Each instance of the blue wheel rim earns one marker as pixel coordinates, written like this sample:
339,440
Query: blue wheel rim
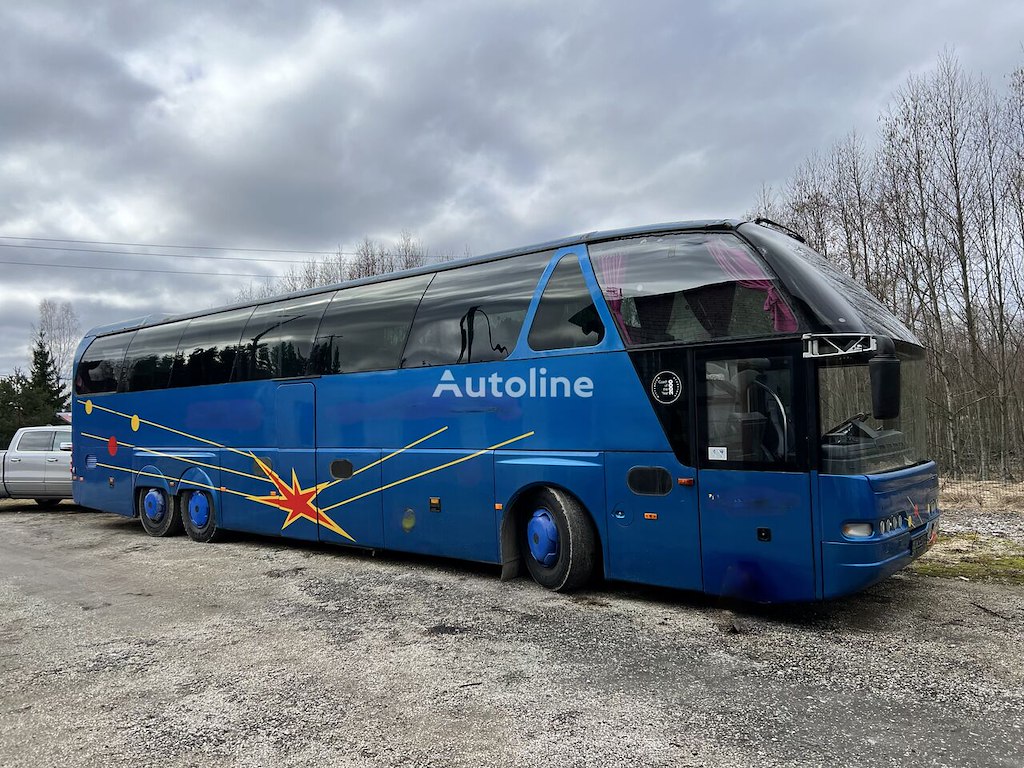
542,534
199,509
154,505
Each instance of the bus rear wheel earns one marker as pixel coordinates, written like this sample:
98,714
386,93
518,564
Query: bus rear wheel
158,512
560,544
199,517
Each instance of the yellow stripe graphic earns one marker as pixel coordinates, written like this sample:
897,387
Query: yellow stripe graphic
187,459
136,417
171,480
428,471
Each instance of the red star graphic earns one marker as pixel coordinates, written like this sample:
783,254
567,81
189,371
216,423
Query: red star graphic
296,501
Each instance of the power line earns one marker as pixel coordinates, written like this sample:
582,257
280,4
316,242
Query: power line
154,245
164,255
132,269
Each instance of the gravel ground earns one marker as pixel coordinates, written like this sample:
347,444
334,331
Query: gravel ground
1002,524
119,649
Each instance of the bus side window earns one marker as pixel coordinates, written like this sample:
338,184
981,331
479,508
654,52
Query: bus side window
278,338
102,364
207,349
365,327
566,317
474,314
150,356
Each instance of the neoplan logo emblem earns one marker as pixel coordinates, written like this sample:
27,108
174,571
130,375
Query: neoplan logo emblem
666,387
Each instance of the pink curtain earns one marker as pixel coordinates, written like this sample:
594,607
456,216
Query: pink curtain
613,267
741,267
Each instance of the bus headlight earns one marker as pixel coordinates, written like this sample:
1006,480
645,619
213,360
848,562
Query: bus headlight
857,530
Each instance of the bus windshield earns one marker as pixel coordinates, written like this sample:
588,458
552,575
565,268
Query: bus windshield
855,443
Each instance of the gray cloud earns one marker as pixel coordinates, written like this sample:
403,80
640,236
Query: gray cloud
310,125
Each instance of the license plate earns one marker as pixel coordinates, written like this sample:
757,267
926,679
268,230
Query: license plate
922,542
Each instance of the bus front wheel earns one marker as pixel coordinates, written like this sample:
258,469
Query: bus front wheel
560,545
158,512
199,517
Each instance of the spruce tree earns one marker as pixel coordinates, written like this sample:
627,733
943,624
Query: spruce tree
42,397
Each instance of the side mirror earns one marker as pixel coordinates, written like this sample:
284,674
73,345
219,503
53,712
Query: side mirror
885,386
65,447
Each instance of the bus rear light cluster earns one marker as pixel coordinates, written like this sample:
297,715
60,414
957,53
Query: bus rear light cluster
857,530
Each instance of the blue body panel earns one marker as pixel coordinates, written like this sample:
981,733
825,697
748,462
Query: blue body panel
461,522
776,566
653,539
359,515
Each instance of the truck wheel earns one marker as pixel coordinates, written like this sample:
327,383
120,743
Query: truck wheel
560,541
158,512
199,517
48,503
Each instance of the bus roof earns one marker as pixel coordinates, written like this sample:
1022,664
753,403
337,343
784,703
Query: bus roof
589,237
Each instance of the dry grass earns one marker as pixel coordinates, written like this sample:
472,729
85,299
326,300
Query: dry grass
981,494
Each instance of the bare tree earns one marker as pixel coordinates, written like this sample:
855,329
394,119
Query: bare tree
371,257
62,331
931,218
408,252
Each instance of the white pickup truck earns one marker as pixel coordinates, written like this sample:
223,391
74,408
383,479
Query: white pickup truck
37,466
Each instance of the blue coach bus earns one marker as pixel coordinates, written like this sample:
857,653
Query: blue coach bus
706,405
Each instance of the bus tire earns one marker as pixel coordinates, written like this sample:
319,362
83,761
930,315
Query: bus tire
199,516
559,541
158,512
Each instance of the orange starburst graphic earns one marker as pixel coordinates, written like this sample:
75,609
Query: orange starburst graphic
296,501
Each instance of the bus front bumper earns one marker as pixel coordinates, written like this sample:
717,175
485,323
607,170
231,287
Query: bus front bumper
851,566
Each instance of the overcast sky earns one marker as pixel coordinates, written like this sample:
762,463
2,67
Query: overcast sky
480,126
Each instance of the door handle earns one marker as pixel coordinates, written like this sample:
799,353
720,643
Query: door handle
52,461
14,461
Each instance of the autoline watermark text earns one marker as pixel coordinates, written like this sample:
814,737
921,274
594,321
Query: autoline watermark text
536,384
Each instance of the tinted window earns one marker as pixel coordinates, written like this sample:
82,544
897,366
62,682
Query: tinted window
690,287
566,316
279,337
474,314
207,350
36,441
365,328
150,357
100,367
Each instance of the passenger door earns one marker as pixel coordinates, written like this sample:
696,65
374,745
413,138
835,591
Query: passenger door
26,465
754,487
